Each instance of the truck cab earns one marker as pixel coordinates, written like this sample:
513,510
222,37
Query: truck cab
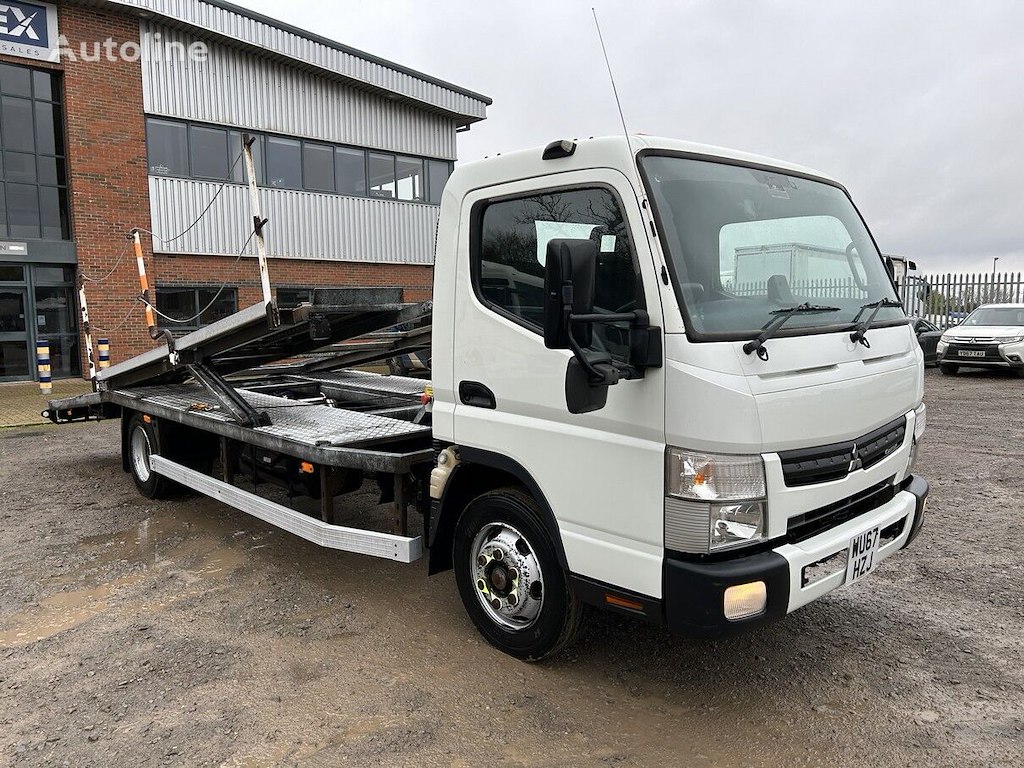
618,423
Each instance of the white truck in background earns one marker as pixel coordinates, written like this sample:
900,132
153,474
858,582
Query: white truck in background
610,424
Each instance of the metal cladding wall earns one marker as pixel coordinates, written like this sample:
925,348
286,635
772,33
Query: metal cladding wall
236,87
309,49
303,225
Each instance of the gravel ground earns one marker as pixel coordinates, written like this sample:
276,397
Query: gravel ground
185,633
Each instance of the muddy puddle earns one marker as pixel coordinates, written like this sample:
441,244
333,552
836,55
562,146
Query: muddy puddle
195,547
57,613
197,544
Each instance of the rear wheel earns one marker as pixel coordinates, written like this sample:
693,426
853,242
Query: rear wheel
509,577
142,442
949,370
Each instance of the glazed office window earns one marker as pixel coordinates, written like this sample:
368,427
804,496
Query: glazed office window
237,163
195,306
409,176
208,149
192,150
33,176
511,246
318,167
284,163
167,145
350,171
382,175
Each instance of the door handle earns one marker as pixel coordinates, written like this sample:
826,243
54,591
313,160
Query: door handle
476,394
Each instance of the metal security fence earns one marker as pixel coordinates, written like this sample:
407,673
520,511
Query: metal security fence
946,299
803,289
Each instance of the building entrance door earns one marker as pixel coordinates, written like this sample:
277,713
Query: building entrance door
15,357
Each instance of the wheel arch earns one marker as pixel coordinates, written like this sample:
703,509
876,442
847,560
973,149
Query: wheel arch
478,472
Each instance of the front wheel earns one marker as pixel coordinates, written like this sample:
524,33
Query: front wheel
509,577
949,370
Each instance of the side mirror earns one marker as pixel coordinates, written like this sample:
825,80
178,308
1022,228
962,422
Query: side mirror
569,270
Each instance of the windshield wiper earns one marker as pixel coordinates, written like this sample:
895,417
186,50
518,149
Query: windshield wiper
860,334
783,315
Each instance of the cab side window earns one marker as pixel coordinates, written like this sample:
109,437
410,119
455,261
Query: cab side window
511,243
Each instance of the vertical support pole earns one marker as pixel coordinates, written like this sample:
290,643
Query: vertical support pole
104,345
227,461
144,283
258,223
401,507
86,329
43,364
327,491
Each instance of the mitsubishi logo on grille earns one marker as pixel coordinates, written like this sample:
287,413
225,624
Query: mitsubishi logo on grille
23,23
855,460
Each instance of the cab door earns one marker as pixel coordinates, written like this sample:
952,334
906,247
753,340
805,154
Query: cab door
602,473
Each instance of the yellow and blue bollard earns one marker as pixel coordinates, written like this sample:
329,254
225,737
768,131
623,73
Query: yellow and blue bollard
43,362
104,345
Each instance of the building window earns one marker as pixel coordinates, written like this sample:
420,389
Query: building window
318,167
382,175
181,148
409,175
237,163
33,178
288,298
284,163
511,246
350,171
168,147
194,306
208,149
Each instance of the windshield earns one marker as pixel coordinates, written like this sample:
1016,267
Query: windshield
745,242
996,316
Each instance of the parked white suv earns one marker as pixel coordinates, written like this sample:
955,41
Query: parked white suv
991,336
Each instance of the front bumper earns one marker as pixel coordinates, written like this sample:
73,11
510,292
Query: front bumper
993,355
694,592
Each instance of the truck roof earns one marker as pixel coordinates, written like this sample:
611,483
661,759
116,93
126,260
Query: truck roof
606,152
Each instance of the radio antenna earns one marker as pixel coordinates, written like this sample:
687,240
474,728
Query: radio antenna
611,76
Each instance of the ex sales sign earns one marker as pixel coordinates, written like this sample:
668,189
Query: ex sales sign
29,30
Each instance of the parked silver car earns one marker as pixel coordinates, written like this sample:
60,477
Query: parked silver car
991,336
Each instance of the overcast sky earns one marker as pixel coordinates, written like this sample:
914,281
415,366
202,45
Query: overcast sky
917,107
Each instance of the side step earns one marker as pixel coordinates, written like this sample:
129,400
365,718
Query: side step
404,549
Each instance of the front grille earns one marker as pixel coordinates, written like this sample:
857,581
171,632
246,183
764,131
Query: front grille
991,351
817,521
808,466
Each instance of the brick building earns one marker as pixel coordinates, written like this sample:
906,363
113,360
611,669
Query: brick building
123,114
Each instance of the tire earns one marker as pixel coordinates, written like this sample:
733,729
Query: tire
948,369
498,539
141,439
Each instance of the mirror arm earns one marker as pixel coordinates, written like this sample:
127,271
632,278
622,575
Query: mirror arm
609,374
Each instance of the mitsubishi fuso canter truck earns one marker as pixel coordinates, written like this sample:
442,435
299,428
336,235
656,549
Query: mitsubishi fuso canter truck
607,422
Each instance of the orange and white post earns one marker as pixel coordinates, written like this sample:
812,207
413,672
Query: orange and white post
144,283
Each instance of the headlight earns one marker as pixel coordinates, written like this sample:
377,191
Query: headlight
1012,340
945,338
714,501
733,525
714,477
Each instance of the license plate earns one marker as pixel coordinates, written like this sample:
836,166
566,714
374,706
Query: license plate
971,353
863,552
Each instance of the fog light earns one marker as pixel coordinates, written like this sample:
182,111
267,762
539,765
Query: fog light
745,600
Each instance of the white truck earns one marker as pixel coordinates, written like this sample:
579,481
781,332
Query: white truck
607,423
